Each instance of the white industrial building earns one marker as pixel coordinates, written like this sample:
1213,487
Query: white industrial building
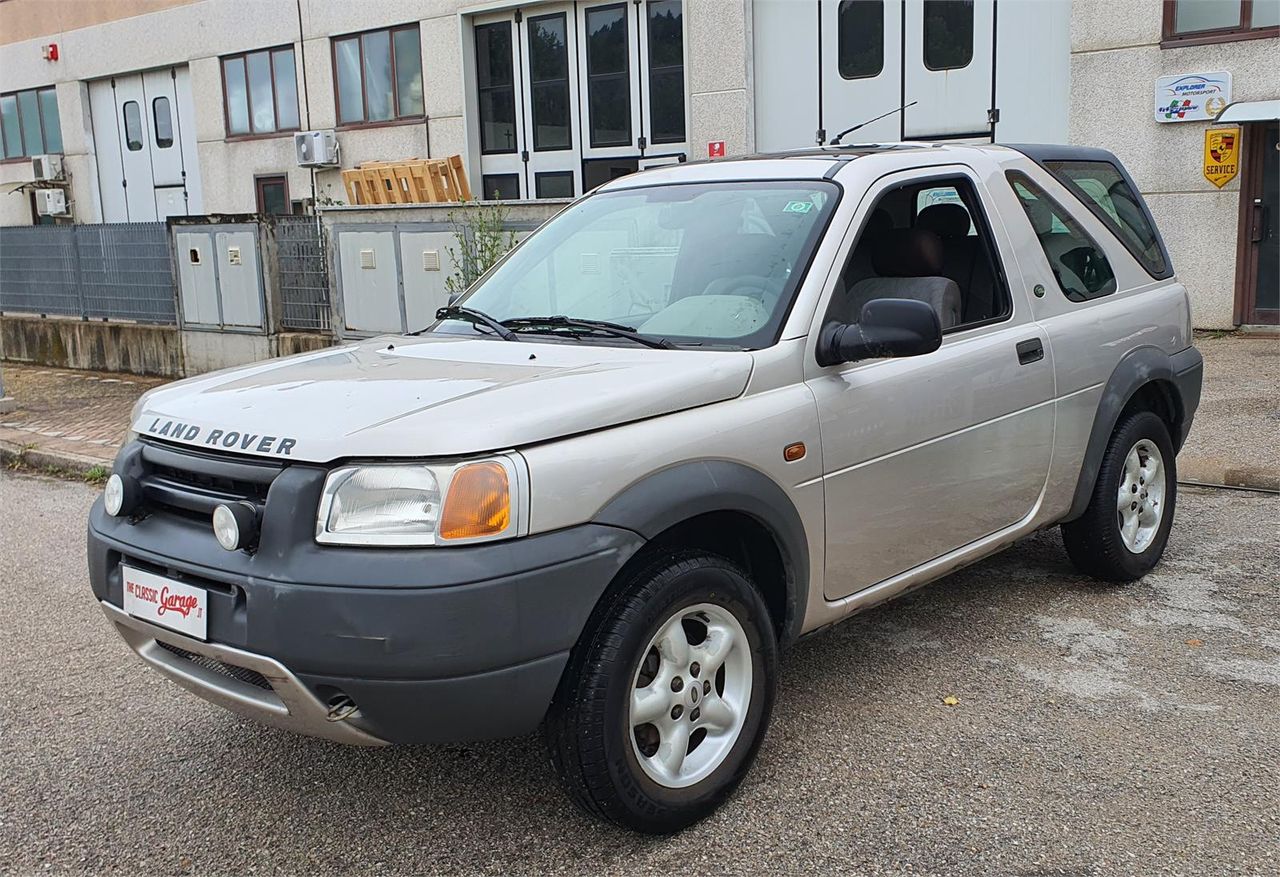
164,107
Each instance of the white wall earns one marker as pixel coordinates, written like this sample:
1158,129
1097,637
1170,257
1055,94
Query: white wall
1116,58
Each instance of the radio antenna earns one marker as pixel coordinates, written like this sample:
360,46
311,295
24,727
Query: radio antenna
835,141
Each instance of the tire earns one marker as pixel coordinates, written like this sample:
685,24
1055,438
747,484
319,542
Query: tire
615,768
1103,542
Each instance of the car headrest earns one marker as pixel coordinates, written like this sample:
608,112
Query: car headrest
879,221
1040,214
945,220
908,252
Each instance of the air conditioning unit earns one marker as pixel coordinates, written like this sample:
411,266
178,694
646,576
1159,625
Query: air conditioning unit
46,168
316,148
51,202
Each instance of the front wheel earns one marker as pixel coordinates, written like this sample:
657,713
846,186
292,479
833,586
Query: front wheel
666,698
1122,533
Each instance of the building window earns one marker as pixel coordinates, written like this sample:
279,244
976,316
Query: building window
666,71
549,82
272,194
261,90
608,76
948,34
495,82
860,38
163,122
501,187
378,76
1197,22
132,126
29,123
556,184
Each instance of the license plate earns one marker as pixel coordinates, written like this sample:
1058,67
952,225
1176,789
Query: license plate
165,602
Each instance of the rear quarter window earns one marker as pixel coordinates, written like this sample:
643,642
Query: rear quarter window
1078,263
1102,188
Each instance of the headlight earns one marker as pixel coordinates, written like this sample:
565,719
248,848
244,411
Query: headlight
422,504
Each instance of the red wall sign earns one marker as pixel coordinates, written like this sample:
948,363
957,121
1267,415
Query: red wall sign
715,149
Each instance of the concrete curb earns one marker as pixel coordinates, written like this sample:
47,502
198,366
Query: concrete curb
1210,472
17,456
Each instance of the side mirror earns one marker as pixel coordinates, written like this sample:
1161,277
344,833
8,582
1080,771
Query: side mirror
888,327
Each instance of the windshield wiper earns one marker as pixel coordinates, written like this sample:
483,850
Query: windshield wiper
615,329
475,318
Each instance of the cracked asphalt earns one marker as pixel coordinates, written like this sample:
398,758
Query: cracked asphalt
1099,731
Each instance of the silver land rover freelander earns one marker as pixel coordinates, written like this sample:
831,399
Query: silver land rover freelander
704,411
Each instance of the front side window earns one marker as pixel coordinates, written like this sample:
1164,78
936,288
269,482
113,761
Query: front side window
948,34
549,80
608,76
860,38
711,264
495,81
666,71
29,123
1079,264
1103,189
378,76
261,91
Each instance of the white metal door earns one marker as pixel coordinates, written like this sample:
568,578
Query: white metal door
950,48
549,58
609,80
861,71
499,86
144,138
785,39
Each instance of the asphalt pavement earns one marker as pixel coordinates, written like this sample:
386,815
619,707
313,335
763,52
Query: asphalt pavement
1098,731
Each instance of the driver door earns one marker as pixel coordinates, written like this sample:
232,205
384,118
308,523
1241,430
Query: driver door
926,454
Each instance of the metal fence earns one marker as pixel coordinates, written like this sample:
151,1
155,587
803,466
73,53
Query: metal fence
302,273
119,271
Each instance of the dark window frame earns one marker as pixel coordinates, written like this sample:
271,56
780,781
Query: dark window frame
259,180
533,83
847,4
484,189
1017,177
243,57
978,216
924,36
481,91
667,69
1171,39
155,121
5,158
539,176
625,74
396,117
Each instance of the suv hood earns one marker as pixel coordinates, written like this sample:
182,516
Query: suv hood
436,396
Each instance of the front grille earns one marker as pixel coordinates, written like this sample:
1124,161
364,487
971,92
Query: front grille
229,488
192,483
243,674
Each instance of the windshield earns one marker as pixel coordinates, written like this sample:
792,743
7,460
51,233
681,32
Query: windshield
710,264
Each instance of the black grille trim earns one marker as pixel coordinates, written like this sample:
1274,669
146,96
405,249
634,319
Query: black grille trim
241,674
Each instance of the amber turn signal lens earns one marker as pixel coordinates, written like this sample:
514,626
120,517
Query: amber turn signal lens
793,452
478,502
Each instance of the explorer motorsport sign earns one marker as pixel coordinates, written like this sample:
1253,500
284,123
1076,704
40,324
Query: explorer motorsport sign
225,439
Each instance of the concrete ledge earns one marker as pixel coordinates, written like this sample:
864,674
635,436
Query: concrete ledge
289,343
96,346
19,456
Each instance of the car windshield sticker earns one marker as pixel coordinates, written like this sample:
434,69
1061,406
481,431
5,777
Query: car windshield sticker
798,207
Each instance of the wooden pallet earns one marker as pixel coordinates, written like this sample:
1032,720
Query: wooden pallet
412,181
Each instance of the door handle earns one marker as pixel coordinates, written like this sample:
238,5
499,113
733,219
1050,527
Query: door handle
1029,351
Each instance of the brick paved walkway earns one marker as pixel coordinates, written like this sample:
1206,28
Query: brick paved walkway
64,411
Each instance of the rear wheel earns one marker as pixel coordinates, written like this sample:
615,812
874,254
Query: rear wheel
666,698
1123,532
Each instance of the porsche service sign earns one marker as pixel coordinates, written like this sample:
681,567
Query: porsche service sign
1221,155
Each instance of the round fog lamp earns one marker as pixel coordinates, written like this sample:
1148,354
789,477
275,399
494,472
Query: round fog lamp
113,495
233,525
